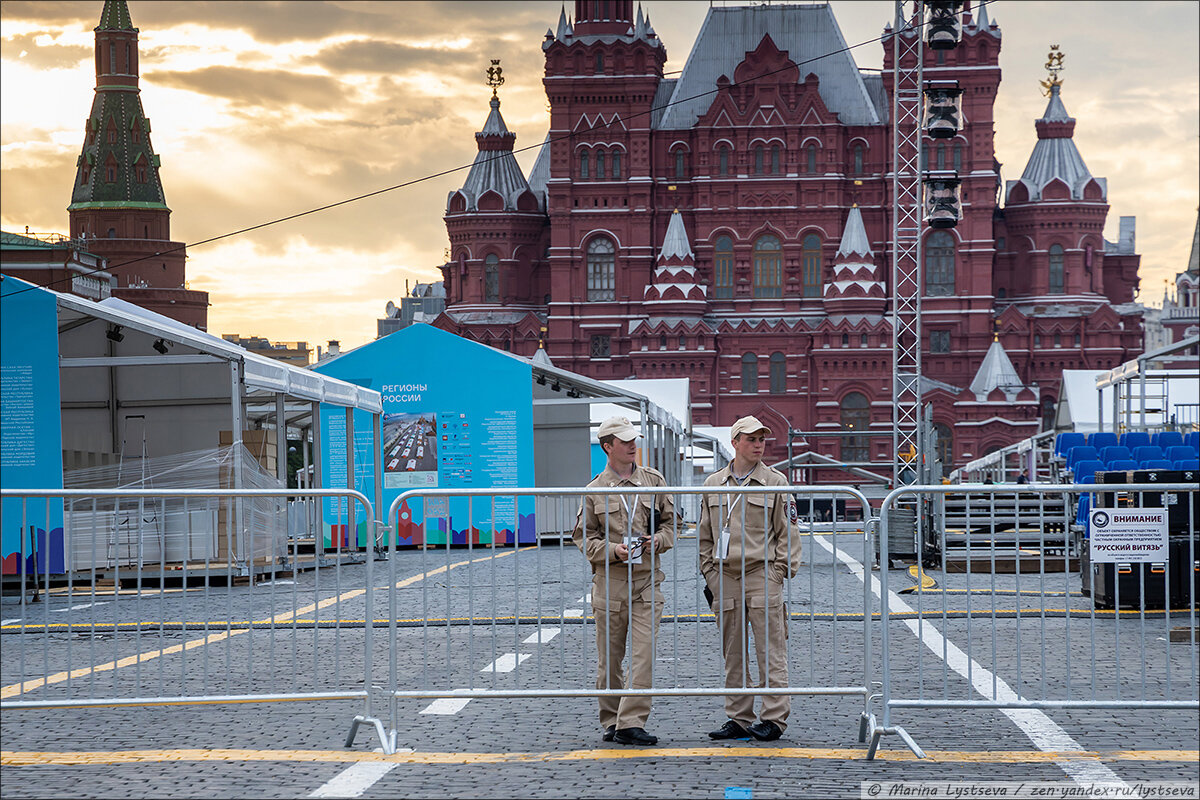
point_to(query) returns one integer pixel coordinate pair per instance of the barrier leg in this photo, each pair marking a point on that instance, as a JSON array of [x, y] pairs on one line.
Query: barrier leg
[[908, 740], [387, 741]]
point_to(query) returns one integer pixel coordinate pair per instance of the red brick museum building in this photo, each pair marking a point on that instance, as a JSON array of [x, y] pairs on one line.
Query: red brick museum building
[[731, 225]]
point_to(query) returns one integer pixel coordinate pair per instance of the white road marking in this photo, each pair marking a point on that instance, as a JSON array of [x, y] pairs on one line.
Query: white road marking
[[446, 705], [1044, 732], [542, 636], [81, 607], [573, 612], [587, 598], [357, 778], [507, 662]]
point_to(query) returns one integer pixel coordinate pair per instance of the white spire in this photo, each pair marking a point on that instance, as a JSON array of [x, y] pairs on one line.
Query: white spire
[[981, 19], [996, 372], [854, 237], [675, 243]]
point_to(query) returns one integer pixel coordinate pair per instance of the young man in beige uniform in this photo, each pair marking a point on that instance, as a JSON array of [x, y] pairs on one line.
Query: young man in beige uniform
[[624, 537], [749, 544]]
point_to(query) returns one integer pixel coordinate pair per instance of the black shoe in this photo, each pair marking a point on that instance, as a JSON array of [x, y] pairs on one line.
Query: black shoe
[[609, 732], [730, 730], [634, 736], [765, 731]]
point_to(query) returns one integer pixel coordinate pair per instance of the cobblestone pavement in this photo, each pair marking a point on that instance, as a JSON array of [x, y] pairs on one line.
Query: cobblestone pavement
[[532, 630]]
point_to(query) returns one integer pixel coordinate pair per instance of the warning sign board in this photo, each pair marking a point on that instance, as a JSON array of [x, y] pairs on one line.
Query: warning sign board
[[1128, 535]]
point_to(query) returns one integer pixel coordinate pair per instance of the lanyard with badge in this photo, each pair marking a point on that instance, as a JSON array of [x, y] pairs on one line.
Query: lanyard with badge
[[723, 541]]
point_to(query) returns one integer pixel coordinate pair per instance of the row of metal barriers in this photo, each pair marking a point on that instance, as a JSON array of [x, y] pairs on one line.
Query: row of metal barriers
[[482, 595]]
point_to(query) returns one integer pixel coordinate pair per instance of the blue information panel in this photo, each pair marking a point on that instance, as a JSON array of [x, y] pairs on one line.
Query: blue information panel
[[456, 414], [30, 428]]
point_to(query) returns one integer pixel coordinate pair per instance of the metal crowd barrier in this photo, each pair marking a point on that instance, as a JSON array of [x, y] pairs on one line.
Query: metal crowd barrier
[[519, 622], [1032, 640], [163, 597]]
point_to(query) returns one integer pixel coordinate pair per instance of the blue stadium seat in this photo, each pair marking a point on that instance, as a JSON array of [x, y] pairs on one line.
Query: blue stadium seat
[[1086, 469], [1192, 440], [1147, 453], [1157, 463], [1181, 453], [1110, 454], [1065, 441], [1082, 452], [1135, 439], [1123, 465], [1081, 512], [1192, 464], [1102, 439], [1165, 439]]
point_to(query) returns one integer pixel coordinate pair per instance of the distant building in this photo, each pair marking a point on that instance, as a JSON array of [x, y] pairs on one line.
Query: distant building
[[730, 224], [54, 261], [1181, 313], [296, 353], [423, 304], [117, 202]]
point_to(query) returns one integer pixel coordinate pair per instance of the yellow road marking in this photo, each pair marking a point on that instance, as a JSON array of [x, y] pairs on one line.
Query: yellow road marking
[[13, 758], [15, 689]]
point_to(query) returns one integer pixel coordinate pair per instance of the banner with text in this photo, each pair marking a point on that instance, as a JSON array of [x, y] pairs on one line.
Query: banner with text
[[1128, 535]]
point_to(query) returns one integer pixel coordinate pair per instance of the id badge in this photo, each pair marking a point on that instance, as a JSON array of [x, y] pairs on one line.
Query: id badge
[[723, 545], [634, 543]]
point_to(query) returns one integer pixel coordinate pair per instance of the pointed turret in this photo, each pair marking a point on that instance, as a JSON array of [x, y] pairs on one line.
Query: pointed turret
[[1055, 158], [495, 181], [856, 286], [675, 291], [117, 201], [996, 372]]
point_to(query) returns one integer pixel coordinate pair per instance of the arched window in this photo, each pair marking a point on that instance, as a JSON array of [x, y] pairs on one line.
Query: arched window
[[810, 260], [810, 159], [723, 160], [845, 340], [679, 164], [749, 374], [1056, 269], [491, 278], [858, 159], [923, 163], [941, 155], [945, 446], [939, 264], [778, 373], [768, 267], [583, 164], [601, 272], [599, 62], [776, 161], [758, 160], [616, 163], [600, 164], [1049, 413], [723, 268], [856, 416], [958, 157], [111, 174]]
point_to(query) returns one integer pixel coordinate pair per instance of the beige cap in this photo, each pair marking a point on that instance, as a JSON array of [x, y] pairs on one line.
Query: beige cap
[[747, 425], [619, 427]]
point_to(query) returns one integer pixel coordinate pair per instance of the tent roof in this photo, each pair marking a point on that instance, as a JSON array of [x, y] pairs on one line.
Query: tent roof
[[262, 375]]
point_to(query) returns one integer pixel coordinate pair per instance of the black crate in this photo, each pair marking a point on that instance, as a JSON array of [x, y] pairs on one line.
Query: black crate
[[1185, 564], [1178, 502], [1107, 577]]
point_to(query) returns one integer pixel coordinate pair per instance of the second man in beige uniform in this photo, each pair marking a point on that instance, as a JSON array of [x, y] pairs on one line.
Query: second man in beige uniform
[[745, 574]]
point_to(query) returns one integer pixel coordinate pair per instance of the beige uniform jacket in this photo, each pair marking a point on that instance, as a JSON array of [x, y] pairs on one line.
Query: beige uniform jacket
[[604, 522], [766, 535]]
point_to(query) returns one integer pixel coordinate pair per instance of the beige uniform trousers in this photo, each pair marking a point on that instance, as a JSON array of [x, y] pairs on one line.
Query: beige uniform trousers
[[617, 619], [763, 615]]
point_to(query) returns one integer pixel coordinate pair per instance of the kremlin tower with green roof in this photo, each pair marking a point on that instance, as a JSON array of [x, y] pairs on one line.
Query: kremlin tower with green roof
[[117, 204]]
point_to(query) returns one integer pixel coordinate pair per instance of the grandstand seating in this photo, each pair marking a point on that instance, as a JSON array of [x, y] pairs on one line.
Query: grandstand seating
[[1119, 453], [1123, 465], [1082, 452], [1147, 453], [1065, 441], [1181, 453], [1157, 463], [1165, 439], [1102, 439], [1086, 469], [1192, 464], [1192, 440], [1135, 438]]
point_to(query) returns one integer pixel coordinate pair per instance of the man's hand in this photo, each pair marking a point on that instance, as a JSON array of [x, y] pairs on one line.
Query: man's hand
[[622, 552]]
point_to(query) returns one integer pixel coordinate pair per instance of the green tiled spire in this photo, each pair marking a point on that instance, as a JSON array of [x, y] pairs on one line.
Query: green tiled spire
[[115, 17]]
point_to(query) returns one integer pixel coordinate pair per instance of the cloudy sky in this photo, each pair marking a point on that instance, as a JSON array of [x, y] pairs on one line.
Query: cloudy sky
[[265, 109]]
